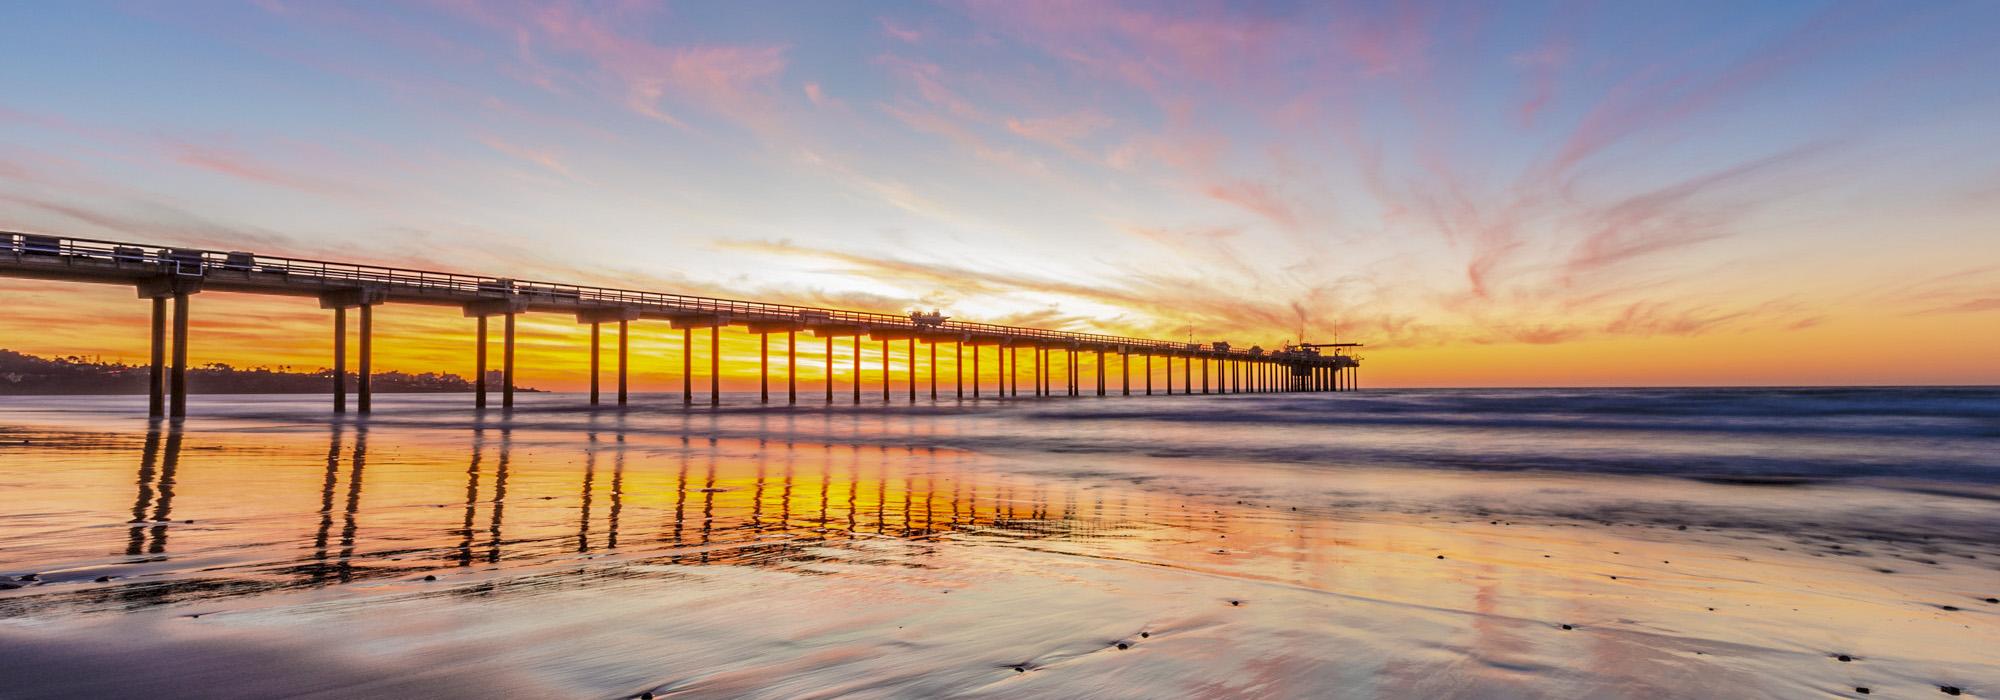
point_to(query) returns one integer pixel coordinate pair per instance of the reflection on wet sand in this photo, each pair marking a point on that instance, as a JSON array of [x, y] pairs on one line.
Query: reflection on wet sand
[[781, 555], [156, 492], [742, 502]]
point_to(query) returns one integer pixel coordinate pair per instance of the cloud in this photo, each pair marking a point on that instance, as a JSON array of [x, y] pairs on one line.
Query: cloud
[[544, 159], [899, 32], [1256, 198], [1060, 131]]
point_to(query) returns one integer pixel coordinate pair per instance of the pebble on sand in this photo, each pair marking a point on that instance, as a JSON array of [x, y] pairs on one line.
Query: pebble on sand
[[1862, 689], [1235, 602], [103, 579], [1567, 627], [1949, 689], [1440, 556], [430, 577], [1989, 600], [1948, 608], [1844, 658], [1122, 645], [1143, 635]]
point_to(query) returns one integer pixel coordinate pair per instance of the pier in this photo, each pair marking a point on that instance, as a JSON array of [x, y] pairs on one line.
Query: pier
[[172, 276]]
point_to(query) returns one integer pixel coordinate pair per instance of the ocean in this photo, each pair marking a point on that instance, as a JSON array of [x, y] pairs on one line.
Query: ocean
[[1384, 543]]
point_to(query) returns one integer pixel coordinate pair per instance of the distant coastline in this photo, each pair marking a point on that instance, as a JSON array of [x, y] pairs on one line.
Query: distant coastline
[[23, 374]]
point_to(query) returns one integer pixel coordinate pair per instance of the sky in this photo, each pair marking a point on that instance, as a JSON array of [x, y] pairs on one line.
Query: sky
[[1486, 194]]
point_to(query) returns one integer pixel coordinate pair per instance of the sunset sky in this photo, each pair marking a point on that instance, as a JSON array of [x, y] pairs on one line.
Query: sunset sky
[[1577, 193]]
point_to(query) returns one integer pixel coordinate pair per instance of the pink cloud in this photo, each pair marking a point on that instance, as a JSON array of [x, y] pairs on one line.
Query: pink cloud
[[818, 97], [899, 32], [223, 161], [1255, 198], [735, 81], [1061, 130], [544, 159]]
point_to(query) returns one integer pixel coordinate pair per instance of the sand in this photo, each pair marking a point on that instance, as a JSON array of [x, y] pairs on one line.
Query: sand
[[280, 556]]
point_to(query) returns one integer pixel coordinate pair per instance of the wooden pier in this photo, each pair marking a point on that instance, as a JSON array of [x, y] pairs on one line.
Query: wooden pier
[[166, 274]]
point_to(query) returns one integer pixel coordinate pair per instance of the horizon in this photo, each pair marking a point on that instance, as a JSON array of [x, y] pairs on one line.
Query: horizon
[[1567, 195]]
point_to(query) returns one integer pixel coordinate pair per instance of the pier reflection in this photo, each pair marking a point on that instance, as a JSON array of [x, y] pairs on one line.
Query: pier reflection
[[154, 507], [493, 498]]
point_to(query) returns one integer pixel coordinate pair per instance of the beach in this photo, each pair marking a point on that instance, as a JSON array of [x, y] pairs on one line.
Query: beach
[[1695, 543]]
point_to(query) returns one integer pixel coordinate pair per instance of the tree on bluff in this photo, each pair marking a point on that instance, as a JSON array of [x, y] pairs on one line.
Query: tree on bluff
[[21, 373]]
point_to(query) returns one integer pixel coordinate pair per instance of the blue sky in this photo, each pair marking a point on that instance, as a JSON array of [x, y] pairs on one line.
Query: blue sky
[[1467, 184]]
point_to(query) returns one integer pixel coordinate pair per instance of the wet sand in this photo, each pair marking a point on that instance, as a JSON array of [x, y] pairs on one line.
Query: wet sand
[[265, 550]]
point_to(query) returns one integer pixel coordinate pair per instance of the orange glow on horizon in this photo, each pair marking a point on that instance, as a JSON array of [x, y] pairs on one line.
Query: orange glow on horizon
[[53, 318]]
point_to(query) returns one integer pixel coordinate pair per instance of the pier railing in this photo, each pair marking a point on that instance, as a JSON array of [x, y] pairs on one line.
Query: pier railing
[[196, 262]]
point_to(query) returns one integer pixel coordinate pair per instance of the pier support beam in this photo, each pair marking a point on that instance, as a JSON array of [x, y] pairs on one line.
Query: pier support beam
[[912, 342], [177, 379], [1124, 371], [595, 351], [339, 301], [857, 369], [829, 370], [480, 310], [624, 332], [365, 394], [763, 368], [507, 362], [167, 394], [156, 376], [933, 366], [885, 371], [340, 359], [1100, 371], [791, 368], [1149, 374], [975, 371], [479, 381], [1037, 353], [687, 366], [1013, 370], [715, 365], [958, 365]]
